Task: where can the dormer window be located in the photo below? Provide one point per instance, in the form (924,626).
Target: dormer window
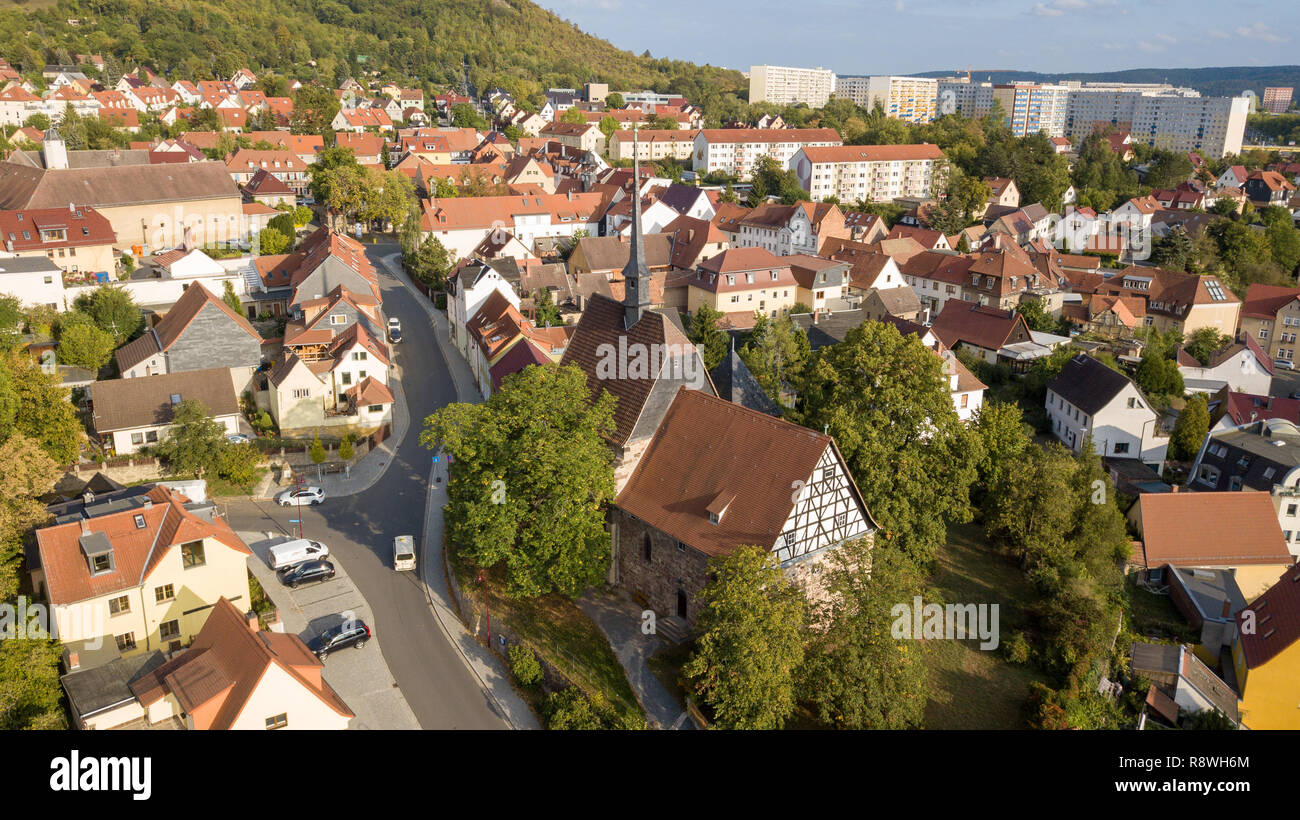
(139,521)
(98,551)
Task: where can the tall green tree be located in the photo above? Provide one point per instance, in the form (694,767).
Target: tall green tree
(1190,429)
(776,353)
(193,442)
(42,410)
(749,643)
(86,346)
(884,397)
(530,478)
(712,342)
(113,309)
(856,675)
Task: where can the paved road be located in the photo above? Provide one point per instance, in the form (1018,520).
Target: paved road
(359,530)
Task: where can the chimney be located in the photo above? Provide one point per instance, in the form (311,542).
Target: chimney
(253,625)
(1173,488)
(74,660)
(816,315)
(1227,608)
(570,195)
(85,526)
(72,208)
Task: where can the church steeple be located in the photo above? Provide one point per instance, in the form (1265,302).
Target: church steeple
(636,273)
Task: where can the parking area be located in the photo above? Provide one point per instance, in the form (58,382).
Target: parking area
(359,675)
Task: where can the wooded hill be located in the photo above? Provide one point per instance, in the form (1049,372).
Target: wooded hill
(509,43)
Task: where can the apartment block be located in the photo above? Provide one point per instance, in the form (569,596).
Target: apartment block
(784,85)
(1171,118)
(1277,99)
(959,95)
(736,150)
(1031,108)
(876,172)
(913,99)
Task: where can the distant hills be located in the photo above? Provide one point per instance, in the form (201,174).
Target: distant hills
(1225,81)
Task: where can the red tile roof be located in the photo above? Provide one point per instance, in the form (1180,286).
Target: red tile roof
(1211,529)
(136,550)
(1276,616)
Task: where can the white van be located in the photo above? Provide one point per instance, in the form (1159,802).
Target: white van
(292,553)
(404,553)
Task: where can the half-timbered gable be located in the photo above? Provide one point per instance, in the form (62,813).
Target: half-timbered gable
(717,476)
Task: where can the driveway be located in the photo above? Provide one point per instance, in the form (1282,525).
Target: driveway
(360,676)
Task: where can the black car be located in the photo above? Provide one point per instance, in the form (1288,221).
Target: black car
(348,633)
(307,572)
(395,335)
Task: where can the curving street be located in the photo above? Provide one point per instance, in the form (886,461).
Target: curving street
(440,688)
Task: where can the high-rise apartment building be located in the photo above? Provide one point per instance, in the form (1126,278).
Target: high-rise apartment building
(913,99)
(1277,99)
(786,86)
(959,95)
(1031,107)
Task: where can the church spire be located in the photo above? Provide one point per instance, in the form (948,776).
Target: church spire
(636,273)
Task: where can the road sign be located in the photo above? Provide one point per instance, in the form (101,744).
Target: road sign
(435,459)
(295,520)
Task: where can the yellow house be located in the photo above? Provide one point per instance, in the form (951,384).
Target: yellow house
(743,281)
(1266,656)
(137,573)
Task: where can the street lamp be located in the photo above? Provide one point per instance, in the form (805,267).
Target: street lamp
(297,484)
(487,608)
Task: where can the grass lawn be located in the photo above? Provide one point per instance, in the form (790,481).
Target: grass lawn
(561,634)
(972,688)
(1155,616)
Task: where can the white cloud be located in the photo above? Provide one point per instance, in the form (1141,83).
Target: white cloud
(1261,31)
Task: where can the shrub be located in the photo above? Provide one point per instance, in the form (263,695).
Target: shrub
(238,464)
(524,665)
(317,451)
(1017,649)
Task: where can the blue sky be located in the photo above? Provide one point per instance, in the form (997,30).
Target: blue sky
(907,36)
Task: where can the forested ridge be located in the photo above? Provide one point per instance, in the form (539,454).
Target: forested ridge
(509,43)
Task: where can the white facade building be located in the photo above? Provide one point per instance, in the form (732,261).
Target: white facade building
(785,86)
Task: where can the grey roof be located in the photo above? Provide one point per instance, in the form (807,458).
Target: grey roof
(681,197)
(1208,589)
(23,186)
(899,300)
(96,689)
(110,158)
(830,328)
(1088,384)
(736,383)
(27,264)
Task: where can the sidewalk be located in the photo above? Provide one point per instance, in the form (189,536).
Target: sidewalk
(619,617)
(365,472)
(486,667)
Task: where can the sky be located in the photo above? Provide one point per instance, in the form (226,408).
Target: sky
(910,36)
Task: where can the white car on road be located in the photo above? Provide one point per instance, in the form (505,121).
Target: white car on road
(300,495)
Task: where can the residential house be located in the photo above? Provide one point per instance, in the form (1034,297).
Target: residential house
(281,163)
(1234,531)
(1271,316)
(137,574)
(75,239)
(468,288)
(129,414)
(236,676)
(1176,672)
(34,281)
(1175,300)
(803,227)
(1266,656)
(985,331)
(583,136)
(823,284)
(742,281)
(1241,364)
(899,302)
(1268,188)
(460,223)
(199,332)
(1261,455)
(1088,399)
(651,145)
